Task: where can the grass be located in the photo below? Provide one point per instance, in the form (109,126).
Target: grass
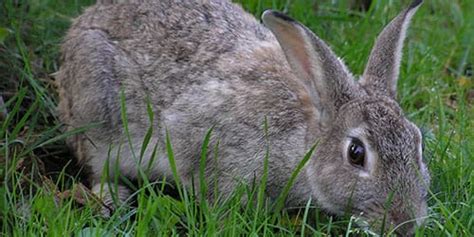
(41,192)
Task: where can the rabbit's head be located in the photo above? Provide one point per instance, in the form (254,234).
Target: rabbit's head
(369,157)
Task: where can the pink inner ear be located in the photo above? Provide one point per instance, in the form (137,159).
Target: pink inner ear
(305,61)
(293,43)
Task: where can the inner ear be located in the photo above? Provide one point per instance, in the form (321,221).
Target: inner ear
(296,46)
(323,74)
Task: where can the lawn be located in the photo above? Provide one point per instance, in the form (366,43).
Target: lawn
(44,192)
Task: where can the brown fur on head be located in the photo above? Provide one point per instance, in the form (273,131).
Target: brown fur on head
(364,112)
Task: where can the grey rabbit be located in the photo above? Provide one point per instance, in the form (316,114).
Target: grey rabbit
(202,64)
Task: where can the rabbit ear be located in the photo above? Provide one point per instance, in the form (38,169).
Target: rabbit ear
(381,73)
(324,76)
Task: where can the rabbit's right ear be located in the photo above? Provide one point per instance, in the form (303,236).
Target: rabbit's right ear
(323,74)
(381,74)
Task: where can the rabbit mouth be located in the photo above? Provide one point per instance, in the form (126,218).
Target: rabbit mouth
(376,219)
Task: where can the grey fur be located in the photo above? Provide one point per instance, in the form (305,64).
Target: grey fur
(381,73)
(208,63)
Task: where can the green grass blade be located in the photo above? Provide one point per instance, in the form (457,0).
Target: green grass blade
(280,202)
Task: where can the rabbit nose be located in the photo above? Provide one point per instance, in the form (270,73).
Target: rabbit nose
(405,232)
(403,222)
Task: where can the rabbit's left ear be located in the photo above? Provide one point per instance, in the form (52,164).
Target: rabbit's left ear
(381,73)
(325,77)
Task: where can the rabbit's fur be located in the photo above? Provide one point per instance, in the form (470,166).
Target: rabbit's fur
(203,64)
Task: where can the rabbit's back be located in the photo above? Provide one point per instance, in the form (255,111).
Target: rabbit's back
(156,40)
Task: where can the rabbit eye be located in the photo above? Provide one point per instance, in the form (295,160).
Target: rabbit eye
(356,152)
